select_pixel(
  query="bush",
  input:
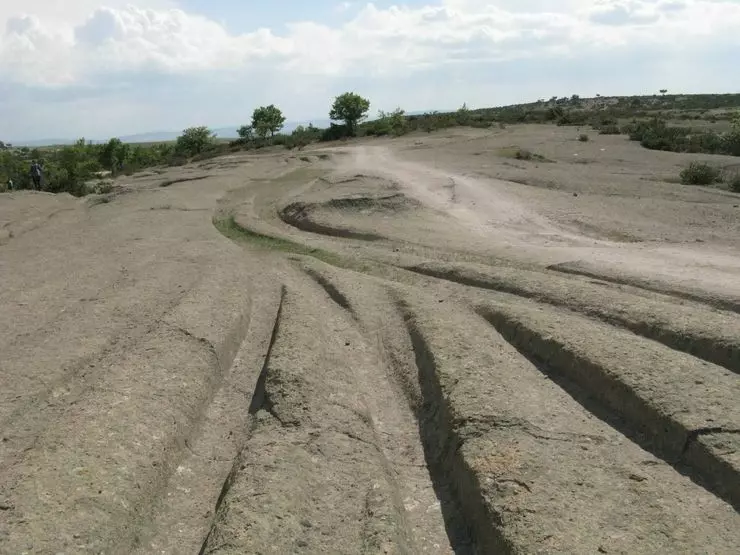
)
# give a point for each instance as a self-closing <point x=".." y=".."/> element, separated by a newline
<point x="733" y="182"/>
<point x="335" y="132"/>
<point x="610" y="129"/>
<point x="700" y="173"/>
<point x="101" y="188"/>
<point x="583" y="138"/>
<point x="523" y="154"/>
<point x="194" y="140"/>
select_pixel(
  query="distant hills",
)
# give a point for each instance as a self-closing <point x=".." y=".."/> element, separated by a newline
<point x="164" y="136"/>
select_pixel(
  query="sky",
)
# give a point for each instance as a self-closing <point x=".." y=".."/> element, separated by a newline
<point x="101" y="68"/>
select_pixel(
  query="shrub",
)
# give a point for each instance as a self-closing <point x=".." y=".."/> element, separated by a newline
<point x="700" y="173"/>
<point x="583" y="138"/>
<point x="733" y="182"/>
<point x="101" y="188"/>
<point x="523" y="154"/>
<point x="194" y="140"/>
<point x="335" y="132"/>
<point x="731" y="141"/>
<point x="610" y="129"/>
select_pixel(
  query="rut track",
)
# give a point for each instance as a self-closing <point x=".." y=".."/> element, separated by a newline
<point x="360" y="367"/>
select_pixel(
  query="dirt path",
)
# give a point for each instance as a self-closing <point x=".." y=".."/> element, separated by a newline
<point x="509" y="224"/>
<point x="380" y="347"/>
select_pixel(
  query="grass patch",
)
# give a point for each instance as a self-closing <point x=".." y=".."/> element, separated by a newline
<point x="182" y="180"/>
<point x="229" y="228"/>
<point x="519" y="153"/>
<point x="583" y="138"/>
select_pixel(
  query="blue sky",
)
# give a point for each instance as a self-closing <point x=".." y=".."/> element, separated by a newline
<point x="114" y="67"/>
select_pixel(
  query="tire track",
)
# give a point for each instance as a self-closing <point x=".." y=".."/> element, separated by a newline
<point x="616" y="308"/>
<point x="311" y="459"/>
<point x="663" y="418"/>
<point x="545" y="475"/>
<point x="398" y="434"/>
<point x="699" y="297"/>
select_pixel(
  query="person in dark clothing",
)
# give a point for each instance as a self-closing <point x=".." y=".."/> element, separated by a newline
<point x="36" y="175"/>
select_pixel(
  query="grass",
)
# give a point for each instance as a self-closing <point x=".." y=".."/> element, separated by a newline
<point x="519" y="153"/>
<point x="182" y="180"/>
<point x="230" y="228"/>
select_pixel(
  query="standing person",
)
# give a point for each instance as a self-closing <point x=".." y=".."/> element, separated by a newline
<point x="36" y="174"/>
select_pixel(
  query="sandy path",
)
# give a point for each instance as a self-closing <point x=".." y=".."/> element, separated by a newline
<point x="488" y="210"/>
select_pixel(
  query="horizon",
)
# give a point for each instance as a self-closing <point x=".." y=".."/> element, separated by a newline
<point x="114" y="68"/>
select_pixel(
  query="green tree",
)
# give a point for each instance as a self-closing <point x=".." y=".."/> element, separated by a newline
<point x="246" y="132"/>
<point x="194" y="140"/>
<point x="267" y="119"/>
<point x="395" y="122"/>
<point x="350" y="108"/>
<point x="114" y="155"/>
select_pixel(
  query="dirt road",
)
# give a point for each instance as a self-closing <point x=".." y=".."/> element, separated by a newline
<point x="413" y="346"/>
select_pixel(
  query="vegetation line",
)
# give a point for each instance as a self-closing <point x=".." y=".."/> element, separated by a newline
<point x="228" y="227"/>
<point x="87" y="167"/>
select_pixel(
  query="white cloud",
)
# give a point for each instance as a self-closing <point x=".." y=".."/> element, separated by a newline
<point x="79" y="45"/>
<point x="127" y="38"/>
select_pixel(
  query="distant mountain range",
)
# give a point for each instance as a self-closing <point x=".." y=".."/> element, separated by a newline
<point x="163" y="136"/>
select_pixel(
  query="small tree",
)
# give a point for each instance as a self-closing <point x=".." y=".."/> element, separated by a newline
<point x="267" y="119"/>
<point x="463" y="114"/>
<point x="113" y="155"/>
<point x="663" y="91"/>
<point x="194" y="140"/>
<point x="350" y="108"/>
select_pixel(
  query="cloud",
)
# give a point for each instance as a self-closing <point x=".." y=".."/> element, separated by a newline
<point x="81" y="46"/>
<point x="394" y="39"/>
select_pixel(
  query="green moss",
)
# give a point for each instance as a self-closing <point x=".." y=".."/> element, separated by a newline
<point x="231" y="229"/>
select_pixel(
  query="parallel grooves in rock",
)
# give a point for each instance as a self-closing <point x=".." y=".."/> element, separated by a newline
<point x="617" y="404"/>
<point x="723" y="304"/>
<point x="342" y="302"/>
<point x="257" y="402"/>
<point x="259" y="398"/>
<point x="448" y="470"/>
<point x="706" y="348"/>
<point x="296" y="215"/>
<point x="334" y="293"/>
